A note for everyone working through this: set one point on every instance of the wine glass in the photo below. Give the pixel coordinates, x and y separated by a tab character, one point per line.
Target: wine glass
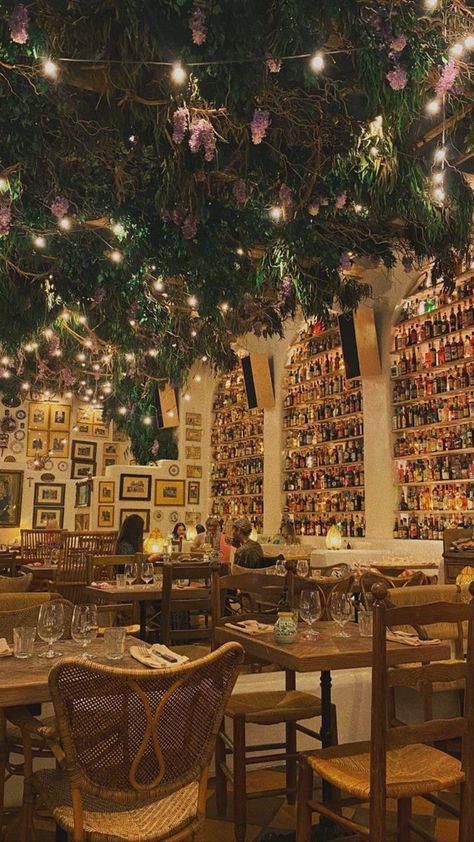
84	626
310	612
341	611
50	625
302	568
147	572
130	571
280	568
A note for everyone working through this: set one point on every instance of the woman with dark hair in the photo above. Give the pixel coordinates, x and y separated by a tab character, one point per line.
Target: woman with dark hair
179	531
130	537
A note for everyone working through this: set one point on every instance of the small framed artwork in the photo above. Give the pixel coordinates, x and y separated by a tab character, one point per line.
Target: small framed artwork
59	417
144	513
192	518
194	471
193	434
193	419
49	494
83	428
193	452
135	487
109	460
85	414
106	491
37	443
81	470
82	522
84	450
110	450
169	492
100	431
194	493
105	517
38	416
46	516
11	484
98	416
83	495
58	445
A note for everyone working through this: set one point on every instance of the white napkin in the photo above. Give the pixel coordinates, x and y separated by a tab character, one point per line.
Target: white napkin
250	627
151	656
409	639
104	586
4	648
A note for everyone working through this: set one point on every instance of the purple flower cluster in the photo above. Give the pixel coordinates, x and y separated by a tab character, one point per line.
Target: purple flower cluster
407	263
286	288
180	124
448	74
177	216
240	191
18	22
68	377
345	261
259	125
273	64
197	24
398	44
155	448
202	134
379	23
340	200
54	345
286	196
60	207
5	219
189	228
397	78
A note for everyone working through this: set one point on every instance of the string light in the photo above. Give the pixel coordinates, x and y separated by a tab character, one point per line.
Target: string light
3	184
192	301
89	391
437	177
276	213
82	320
116	256
204	358
374	151
358	208
178	73
439	194
440	155
68	395
153	352
433	106
122	410
96	367
224	307
39	242
88	343
118	229
158	285
50	68
193	333
6	374
64	316
240	252
431	5
25	386
28	348
456	50
5	361
187	396
65	223
48	333
317	62
147	420
197	378
469	42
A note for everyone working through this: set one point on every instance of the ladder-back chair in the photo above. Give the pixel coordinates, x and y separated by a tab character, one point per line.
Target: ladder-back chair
186	603
39	543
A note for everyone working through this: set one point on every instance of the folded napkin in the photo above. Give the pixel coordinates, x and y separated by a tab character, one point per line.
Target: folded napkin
250	627
151	656
409	639
4	648
104	586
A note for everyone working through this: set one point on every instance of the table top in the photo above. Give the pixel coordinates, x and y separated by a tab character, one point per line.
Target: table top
329	652
143	593
41	569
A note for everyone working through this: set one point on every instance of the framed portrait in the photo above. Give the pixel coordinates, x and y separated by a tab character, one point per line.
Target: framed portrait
193	452
85	414
106	491
135	487
83	495
84	450
81	470
82	522
38	416
192	518
194	493
100	431
193	434
105	517
42	516
49	494
11	484
110	450
193	419
37	443
59	445
169	492
83	428
194	471
59	417
144	513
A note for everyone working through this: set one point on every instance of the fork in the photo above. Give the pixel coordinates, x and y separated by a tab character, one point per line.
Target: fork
147	653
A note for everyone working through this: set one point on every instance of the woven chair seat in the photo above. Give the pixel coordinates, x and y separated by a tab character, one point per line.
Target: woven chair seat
413	770
274	706
107	821
438	686
14	737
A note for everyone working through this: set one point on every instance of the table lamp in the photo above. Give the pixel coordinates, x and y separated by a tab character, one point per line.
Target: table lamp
333	538
154	543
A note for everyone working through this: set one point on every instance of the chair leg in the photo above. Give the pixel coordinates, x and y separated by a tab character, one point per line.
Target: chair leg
403	819
240	783
290	763
221	780
335	739
305	793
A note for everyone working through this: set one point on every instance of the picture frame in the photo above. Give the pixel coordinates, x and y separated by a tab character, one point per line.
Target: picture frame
85	414
59	417
194	471
98	416
38	416
37	443
192	518
135	487
81	469
83	495
109	460
82	522
83	428
11	487
144	513
193	452
193	434
58	443
110	450
100	431
169	492
193	419
194	493
106	491
85	451
105	517
49	494
43	514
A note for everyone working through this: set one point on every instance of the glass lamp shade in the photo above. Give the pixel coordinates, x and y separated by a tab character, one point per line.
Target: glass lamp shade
154	543
253	534
333	538
191	532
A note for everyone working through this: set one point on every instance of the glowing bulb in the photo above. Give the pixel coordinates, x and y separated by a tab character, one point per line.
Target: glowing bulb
469	42
88	343
96	367
178	73
187	396
440	154
158	285
6	374
34	346
68	395
39	242
132	138
317	62
170	413
3	184
122	410
118	229
276	213
153	268
86	398
89	391
433	106
204	358
57	353
197	378
48	333
224	307
50	68
47	394
358	208
192	301
116	256
457	49
82	382
132	322
129	357
147	420
439	194
374	151
25	386
431	4
194	333
28	348
5	361
153	352
82	320
437	178
65	223
64	315
240	252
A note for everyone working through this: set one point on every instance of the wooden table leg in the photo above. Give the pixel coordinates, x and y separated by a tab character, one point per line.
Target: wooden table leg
142	609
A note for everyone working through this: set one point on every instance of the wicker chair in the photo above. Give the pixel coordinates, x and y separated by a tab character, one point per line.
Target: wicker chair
16	584
398	762
371	577
137	747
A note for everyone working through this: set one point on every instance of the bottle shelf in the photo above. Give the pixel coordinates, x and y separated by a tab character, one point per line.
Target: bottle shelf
316	356
436	425
341	466
216	458
335	489
230	442
321	421
431	482
423	295
330	515
462	391
291	448
303	342
325	399
440	512
433	455
433	339
428	370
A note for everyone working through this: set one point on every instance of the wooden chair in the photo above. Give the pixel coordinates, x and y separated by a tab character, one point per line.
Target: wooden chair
398	762
137	746
38	543
264	708
71	574
325	588
371	577
16	584
8	563
103	567
178	603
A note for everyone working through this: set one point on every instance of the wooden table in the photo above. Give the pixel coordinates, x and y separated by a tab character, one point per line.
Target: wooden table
41	574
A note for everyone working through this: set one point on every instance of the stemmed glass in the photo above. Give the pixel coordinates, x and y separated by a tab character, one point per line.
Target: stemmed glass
51	625
130	571
302	568
147	572
280	568
84	626
310	612
341	611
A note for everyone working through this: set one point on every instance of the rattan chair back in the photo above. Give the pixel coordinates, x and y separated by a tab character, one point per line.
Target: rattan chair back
175	600
131	736
39	543
371	577
10	620
16	584
103	567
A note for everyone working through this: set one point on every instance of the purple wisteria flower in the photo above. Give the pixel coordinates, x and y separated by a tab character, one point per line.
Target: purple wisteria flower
379	24
60	207
54	345
273	64
398	44
259	125
18	22
407	263
313	208
189	228
340	200
397	78
286	288
197	24
345	261
68	377
286	196
240	191
5	219
177	216
448	74
180	124
203	135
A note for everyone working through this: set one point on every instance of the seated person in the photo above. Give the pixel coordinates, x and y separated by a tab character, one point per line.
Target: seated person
213	533
249	553
200	538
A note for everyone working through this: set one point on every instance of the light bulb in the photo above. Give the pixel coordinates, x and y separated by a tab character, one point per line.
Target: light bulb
456	49
469	42
65	223
39	242
153	352
28	348
317	62
82	382
129	357
116	256
5	361
197	378
358	208
240	251
118	229
275	213
96	367
25	386
224	307
147	420
132	322
88	343
440	154
3	184
439	194
50	68
153	268
192	301
437	177
187	396
178	73
6	374
89	391
48	333
170	413
65	315
82	320
431	4
57	353
68	395
47	394
193	333
86	398
158	285
433	106
34	346
122	410
204	358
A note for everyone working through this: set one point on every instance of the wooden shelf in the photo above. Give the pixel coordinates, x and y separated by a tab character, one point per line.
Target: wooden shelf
315	356
463	391
334	489
234	441
303	342
237	496
222	458
318	423
433	482
459	512
338	515
234	477
342	465
436	425
322	444
444	367
433	455
326	399
433	339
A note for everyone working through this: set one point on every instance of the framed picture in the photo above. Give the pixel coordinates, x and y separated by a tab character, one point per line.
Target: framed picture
98	416
193	419
11	483
109	460
38	416
83	495
194	493
106	491
194	471
42	516
82	522
83	428
192	518
58	443
37	443
81	470
49	494
193	434
59	417
169	492
100	431
135	487
105	517
193	452
85	414
110	450
84	450
144	513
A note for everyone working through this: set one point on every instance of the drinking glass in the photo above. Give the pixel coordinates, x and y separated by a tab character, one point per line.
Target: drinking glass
341	611
147	572
23	640
130	571
84	626
302	567
280	568
51	625
365	623
114	642
310	612
120	580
